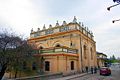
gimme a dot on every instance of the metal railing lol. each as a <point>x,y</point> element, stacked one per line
<point>56,50</point>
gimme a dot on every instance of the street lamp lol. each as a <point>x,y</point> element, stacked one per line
<point>112,6</point>
<point>115,20</point>
<point>118,3</point>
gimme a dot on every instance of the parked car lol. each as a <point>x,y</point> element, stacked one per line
<point>105,71</point>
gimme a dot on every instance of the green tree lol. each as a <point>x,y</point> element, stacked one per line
<point>113,57</point>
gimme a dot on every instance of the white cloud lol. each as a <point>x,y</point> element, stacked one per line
<point>107,40</point>
<point>22,15</point>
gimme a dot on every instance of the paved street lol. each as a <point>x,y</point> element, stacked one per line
<point>114,76</point>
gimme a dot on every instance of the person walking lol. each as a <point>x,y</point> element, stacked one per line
<point>86,69</point>
<point>91,70</point>
<point>95,69</point>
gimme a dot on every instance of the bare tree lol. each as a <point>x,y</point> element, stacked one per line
<point>13,51</point>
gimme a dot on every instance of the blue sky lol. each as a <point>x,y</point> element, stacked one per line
<point>23,15</point>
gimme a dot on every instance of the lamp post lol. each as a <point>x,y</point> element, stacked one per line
<point>112,6</point>
<point>115,20</point>
<point>118,3</point>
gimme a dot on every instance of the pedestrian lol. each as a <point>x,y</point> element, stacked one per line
<point>95,69</point>
<point>91,70</point>
<point>86,69</point>
<point>98,67</point>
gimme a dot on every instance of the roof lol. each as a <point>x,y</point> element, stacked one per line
<point>99,53</point>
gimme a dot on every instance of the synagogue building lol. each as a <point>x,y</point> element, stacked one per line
<point>66,48</point>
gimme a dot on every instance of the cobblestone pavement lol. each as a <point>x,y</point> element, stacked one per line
<point>114,76</point>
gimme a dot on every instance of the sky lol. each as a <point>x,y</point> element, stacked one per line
<point>23,15</point>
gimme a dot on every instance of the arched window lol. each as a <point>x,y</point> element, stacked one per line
<point>58,45</point>
<point>72,65</point>
<point>91,53</point>
<point>41,47</point>
<point>40,51</point>
<point>71,44</point>
<point>47,66</point>
<point>85,54</point>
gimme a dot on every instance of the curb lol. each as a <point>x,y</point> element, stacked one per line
<point>78,76</point>
<point>71,77</point>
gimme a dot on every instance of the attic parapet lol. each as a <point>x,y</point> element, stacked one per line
<point>62,28</point>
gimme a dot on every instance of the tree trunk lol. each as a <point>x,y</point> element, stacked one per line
<point>2,72</point>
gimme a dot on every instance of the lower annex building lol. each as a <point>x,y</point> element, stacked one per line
<point>65,48</point>
<point>101,59</point>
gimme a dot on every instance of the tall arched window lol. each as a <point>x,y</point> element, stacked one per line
<point>91,53</point>
<point>72,65</point>
<point>40,51</point>
<point>47,66</point>
<point>85,50</point>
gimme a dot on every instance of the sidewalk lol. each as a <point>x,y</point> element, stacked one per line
<point>71,76</point>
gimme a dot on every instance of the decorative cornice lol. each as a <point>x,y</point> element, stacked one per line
<point>50,30</point>
<point>57,54</point>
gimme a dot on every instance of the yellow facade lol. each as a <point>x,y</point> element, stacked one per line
<point>65,48</point>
